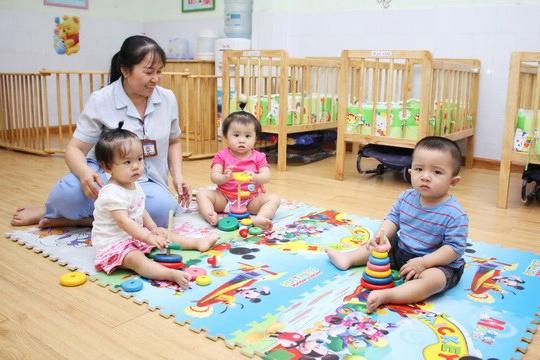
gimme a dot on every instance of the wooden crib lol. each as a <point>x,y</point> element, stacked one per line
<point>39,111</point>
<point>521,143</point>
<point>397,97</point>
<point>287,95</point>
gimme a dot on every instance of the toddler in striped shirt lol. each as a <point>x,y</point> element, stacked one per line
<point>426,229</point>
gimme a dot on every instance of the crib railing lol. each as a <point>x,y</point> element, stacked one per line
<point>39,111</point>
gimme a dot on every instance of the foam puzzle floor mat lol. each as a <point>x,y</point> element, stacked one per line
<point>277,296</point>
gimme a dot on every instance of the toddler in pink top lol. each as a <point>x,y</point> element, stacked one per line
<point>241,130</point>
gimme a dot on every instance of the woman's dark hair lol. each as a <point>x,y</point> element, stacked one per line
<point>132,52</point>
<point>244,118</point>
<point>114,141</point>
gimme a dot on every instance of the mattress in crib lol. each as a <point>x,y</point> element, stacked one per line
<point>404,118</point>
<point>301,110</point>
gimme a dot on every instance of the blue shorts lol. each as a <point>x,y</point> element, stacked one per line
<point>67,200</point>
<point>399,257</point>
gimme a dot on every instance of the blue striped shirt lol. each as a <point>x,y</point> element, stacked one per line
<point>423,230</point>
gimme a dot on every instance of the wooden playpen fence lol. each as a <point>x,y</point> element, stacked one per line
<point>522,112</point>
<point>39,111</point>
<point>397,97</point>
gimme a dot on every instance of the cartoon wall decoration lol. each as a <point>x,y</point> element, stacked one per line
<point>66,35</point>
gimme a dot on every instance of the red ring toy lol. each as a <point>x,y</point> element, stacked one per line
<point>375,287</point>
<point>176,265</point>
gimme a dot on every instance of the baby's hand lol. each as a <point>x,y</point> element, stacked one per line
<point>158,241</point>
<point>413,268</point>
<point>159,231</point>
<point>227,172</point>
<point>379,242</point>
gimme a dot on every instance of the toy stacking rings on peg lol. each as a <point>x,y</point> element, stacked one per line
<point>171,261</point>
<point>238,210</point>
<point>378,275</point>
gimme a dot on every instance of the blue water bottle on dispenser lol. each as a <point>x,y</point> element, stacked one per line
<point>238,18</point>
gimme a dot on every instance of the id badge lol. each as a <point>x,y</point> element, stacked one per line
<point>149,148</point>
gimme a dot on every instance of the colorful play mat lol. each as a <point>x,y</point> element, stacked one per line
<point>277,296</point>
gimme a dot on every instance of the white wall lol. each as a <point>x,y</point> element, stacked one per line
<point>485,29</point>
<point>27,34</point>
<point>164,21</point>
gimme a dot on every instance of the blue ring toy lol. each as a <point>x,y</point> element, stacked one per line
<point>167,258</point>
<point>375,261</point>
<point>377,281</point>
<point>132,285</point>
<point>239,216</point>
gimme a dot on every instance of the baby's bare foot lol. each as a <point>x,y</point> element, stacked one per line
<point>341,260</point>
<point>205,243</point>
<point>375,299</point>
<point>27,216</point>
<point>262,222</point>
<point>212,218</point>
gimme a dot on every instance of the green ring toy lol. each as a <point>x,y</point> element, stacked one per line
<point>255,230</point>
<point>228,223</point>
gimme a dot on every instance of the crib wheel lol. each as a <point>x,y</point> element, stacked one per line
<point>358,164</point>
<point>406,175</point>
<point>525,194</point>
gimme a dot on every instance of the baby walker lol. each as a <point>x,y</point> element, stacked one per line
<point>390,157</point>
<point>530,183</point>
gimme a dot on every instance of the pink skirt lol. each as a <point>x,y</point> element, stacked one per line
<point>111,257</point>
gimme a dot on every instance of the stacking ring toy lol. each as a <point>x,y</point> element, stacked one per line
<point>377,281</point>
<point>255,230</point>
<point>246,222</point>
<point>242,177</point>
<point>203,280</point>
<point>228,223</point>
<point>379,268</point>
<point>174,246</point>
<point>378,262</point>
<point>376,274</point>
<point>195,272</point>
<point>74,278</point>
<point>382,248</point>
<point>174,265</point>
<point>132,285</point>
<point>379,254</point>
<point>375,287</point>
<point>164,258</point>
<point>239,216</point>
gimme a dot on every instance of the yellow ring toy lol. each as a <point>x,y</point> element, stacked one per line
<point>246,222</point>
<point>74,278</point>
<point>379,255</point>
<point>378,274</point>
<point>242,177</point>
<point>203,280</point>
